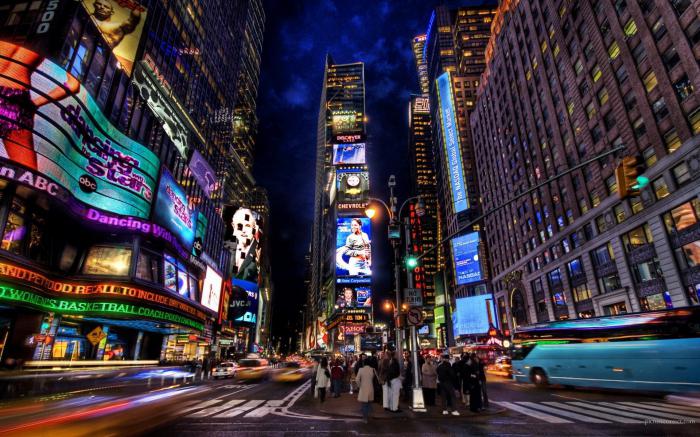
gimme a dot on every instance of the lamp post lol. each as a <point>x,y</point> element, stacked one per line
<point>417,403</point>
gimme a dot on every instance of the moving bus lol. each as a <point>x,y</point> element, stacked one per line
<point>653,351</point>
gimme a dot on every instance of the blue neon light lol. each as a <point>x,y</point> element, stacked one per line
<point>427,36</point>
<point>450,138</point>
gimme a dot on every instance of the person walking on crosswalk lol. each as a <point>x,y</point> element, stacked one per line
<point>365,381</point>
<point>323,379</point>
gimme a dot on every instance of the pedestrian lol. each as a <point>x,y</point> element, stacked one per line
<point>337,375</point>
<point>481,375</point>
<point>394,378</point>
<point>461,369</point>
<point>384,381</point>
<point>407,379</point>
<point>429,381</point>
<point>323,379</point>
<point>474,384</point>
<point>365,382</point>
<point>448,381</point>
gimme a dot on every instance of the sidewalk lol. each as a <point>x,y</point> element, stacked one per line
<point>348,406</point>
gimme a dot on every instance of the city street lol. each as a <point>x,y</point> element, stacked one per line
<point>230,406</point>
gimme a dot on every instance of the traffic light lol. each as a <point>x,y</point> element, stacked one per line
<point>629,176</point>
<point>411,262</point>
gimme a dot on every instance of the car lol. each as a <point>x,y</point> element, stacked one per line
<point>224,370</point>
<point>253,369</point>
<point>290,371</point>
<point>502,366</point>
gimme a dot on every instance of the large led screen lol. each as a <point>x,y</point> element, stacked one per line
<point>465,253</point>
<point>211,290</point>
<point>450,137</point>
<point>353,186</point>
<point>353,296</point>
<point>121,23</point>
<point>244,234</point>
<point>353,153</point>
<point>50,124</point>
<point>203,173</point>
<point>250,315</point>
<point>172,212</point>
<point>474,315</point>
<point>353,247</point>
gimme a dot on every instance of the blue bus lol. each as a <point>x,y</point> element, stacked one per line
<point>654,351</point>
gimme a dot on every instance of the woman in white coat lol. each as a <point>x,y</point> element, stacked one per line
<point>323,378</point>
<point>365,382</point>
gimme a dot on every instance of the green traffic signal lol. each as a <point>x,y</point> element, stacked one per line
<point>642,181</point>
<point>411,262</point>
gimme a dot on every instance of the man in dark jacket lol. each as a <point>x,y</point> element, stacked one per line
<point>448,381</point>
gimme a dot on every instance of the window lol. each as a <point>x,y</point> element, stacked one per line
<point>693,31</point>
<point>683,216</point>
<point>596,134</point>
<point>658,29</point>
<point>620,6</point>
<point>581,293</point>
<point>578,67</point>
<point>630,101</point>
<point>614,50</point>
<point>637,237</point>
<point>621,74</point>
<point>681,174</point>
<point>638,53</point>
<point>683,87</point>
<point>588,51</point>
<point>649,155</point>
<point>611,184</point>
<point>619,211</point>
<point>596,73</point>
<point>650,81</point>
<point>590,110</point>
<point>688,255</point>
<point>177,279</point>
<point>636,204</point>
<point>575,268</point>
<point>107,260</point>
<point>680,5</point>
<point>15,230</point>
<point>659,108</point>
<point>694,120</point>
<point>645,271</point>
<point>601,224</point>
<point>603,96</point>
<point>670,58</point>
<point>609,283</point>
<point>660,188</point>
<point>609,121</point>
<point>638,127</point>
<point>147,267</point>
<point>554,278</point>
<point>672,140</point>
<point>630,27</point>
<point>603,255</point>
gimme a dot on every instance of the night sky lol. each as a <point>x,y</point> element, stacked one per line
<point>298,34</point>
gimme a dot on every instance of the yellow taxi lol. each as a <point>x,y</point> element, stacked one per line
<point>289,371</point>
<point>252,369</point>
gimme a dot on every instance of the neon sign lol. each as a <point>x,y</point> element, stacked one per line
<point>450,138</point>
<point>62,306</point>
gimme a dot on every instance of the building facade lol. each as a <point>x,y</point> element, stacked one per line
<point>114,132</point>
<point>339,296</point>
<point>454,54</point>
<point>566,82</point>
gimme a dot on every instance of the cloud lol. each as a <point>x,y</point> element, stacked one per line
<point>297,94</point>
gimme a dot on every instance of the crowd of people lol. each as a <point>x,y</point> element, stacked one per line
<point>381,377</point>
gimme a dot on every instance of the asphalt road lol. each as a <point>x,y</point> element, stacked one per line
<point>266,408</point>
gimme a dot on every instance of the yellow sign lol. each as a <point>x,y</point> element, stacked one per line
<point>96,335</point>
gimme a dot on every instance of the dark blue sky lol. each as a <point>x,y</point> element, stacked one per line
<point>298,35</point>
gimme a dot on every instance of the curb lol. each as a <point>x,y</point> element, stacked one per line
<point>407,413</point>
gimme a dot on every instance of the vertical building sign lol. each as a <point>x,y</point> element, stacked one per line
<point>450,136</point>
<point>465,253</point>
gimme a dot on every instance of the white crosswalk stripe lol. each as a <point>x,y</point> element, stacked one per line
<point>605,412</point>
<point>225,406</point>
<point>200,405</point>
<point>241,409</point>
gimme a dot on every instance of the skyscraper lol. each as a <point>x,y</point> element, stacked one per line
<point>565,83</point>
<point>341,238</point>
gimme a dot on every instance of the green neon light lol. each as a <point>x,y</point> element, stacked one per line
<point>9,293</point>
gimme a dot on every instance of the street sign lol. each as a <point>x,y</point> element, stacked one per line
<point>96,335</point>
<point>414,316</point>
<point>413,297</point>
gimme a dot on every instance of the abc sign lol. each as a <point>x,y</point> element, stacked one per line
<point>87,184</point>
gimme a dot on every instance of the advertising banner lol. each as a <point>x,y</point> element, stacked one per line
<point>171,210</point>
<point>51,125</point>
<point>200,234</point>
<point>465,254</point>
<point>353,247</point>
<point>243,234</point>
<point>121,23</point>
<point>203,173</point>
<point>474,315</point>
<point>349,153</point>
<point>354,297</point>
<point>164,106</point>
<point>353,186</point>
<point>250,315</point>
<point>450,137</point>
<point>211,290</point>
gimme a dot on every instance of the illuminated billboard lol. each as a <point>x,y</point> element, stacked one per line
<point>243,233</point>
<point>352,153</point>
<point>450,137</point>
<point>343,121</point>
<point>353,297</point>
<point>465,254</point>
<point>353,247</point>
<point>211,289</point>
<point>250,315</point>
<point>50,124</point>
<point>352,186</point>
<point>203,173</point>
<point>171,210</point>
<point>121,23</point>
<point>474,315</point>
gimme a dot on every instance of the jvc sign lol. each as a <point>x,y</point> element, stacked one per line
<point>413,297</point>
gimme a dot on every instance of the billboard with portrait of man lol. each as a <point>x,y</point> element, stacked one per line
<point>121,24</point>
<point>353,247</point>
<point>353,296</point>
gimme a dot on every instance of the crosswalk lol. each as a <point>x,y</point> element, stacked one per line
<point>223,408</point>
<point>644,412</point>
